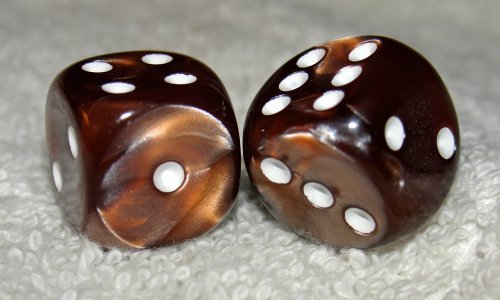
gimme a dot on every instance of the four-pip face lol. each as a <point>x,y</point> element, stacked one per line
<point>144,148</point>
<point>353,143</point>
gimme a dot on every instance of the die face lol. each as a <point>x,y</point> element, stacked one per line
<point>367,137</point>
<point>150,142</point>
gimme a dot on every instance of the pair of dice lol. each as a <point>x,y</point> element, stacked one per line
<point>353,143</point>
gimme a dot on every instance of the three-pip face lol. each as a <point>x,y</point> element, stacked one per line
<point>144,148</point>
<point>353,143</point>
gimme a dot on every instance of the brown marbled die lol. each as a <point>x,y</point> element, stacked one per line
<point>353,143</point>
<point>113,120</point>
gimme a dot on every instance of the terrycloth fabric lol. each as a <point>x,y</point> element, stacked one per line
<point>249,256</point>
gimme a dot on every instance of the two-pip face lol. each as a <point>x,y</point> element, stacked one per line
<point>353,143</point>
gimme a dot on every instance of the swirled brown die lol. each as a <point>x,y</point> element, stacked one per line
<point>143,146</point>
<point>353,143</point>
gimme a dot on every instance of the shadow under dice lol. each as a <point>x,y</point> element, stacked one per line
<point>144,148</point>
<point>353,143</point>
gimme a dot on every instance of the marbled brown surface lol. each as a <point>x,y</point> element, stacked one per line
<point>344,147</point>
<point>108,190</point>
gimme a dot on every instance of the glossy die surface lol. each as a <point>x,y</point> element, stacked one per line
<point>353,143</point>
<point>143,146</point>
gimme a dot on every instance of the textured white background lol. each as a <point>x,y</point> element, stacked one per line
<point>249,255</point>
